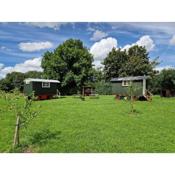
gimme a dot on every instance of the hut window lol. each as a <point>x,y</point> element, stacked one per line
<point>126,83</point>
<point>27,82</point>
<point>45,85</point>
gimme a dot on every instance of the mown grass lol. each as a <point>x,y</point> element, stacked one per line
<point>95,125</point>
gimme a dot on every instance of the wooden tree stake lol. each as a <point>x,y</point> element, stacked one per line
<point>16,135</point>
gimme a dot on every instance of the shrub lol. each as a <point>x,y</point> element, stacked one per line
<point>103,88</point>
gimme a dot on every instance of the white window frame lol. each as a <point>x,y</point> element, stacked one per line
<point>27,82</point>
<point>126,83</point>
<point>44,86</point>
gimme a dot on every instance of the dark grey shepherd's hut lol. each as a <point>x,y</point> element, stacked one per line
<point>42,88</point>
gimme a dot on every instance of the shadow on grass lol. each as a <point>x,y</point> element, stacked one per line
<point>134,112</point>
<point>44,136</point>
<point>36,140</point>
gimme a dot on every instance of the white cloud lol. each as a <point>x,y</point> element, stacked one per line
<point>144,41</point>
<point>147,42</point>
<point>101,48</point>
<point>53,25</point>
<point>2,74</point>
<point>160,68</point>
<point>4,71</point>
<point>29,65</point>
<point>151,27</point>
<point>97,35</point>
<point>167,28</point>
<point>1,66</point>
<point>91,29</point>
<point>97,64</point>
<point>126,47</point>
<point>3,48</point>
<point>34,46</point>
<point>172,40</point>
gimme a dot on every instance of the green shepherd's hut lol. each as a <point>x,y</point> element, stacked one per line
<point>42,88</point>
<point>120,86</point>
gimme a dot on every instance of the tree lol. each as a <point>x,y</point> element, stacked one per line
<point>22,109</point>
<point>103,88</point>
<point>165,82</point>
<point>16,80</point>
<point>134,62</point>
<point>33,74</point>
<point>132,89</point>
<point>138,62</point>
<point>114,62</point>
<point>98,74</point>
<point>70,63</point>
<point>12,80</point>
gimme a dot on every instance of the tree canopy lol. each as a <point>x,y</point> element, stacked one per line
<point>164,82</point>
<point>33,74</point>
<point>12,80</point>
<point>134,62</point>
<point>113,63</point>
<point>16,80</point>
<point>70,63</point>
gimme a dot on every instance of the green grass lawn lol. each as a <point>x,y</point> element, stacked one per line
<point>95,125</point>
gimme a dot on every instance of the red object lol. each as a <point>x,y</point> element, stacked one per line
<point>117,97</point>
<point>43,97</point>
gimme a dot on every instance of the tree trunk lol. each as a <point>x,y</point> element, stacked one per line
<point>16,135</point>
<point>132,104</point>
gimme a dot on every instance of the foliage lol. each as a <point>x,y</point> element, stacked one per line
<point>132,89</point>
<point>98,74</point>
<point>70,63</point>
<point>33,74</point>
<point>114,62</point>
<point>153,85</point>
<point>139,62</point>
<point>165,80</point>
<point>2,97</point>
<point>13,80</point>
<point>22,110</point>
<point>16,80</point>
<point>134,62</point>
<point>103,88</point>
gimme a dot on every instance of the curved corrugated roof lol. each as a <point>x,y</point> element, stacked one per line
<point>130,78</point>
<point>28,80</point>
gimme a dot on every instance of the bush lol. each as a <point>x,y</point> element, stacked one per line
<point>103,88</point>
<point>163,81</point>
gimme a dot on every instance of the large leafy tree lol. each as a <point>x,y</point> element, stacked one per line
<point>70,63</point>
<point>114,62</point>
<point>134,62</point>
<point>138,62</point>
<point>164,82</point>
<point>167,79</point>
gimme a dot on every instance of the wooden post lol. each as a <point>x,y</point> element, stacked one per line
<point>144,86</point>
<point>16,135</point>
<point>83,90</point>
<point>58,93</point>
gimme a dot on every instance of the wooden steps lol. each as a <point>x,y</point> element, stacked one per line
<point>148,95</point>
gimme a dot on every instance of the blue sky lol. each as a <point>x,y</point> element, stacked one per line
<point>23,44</point>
